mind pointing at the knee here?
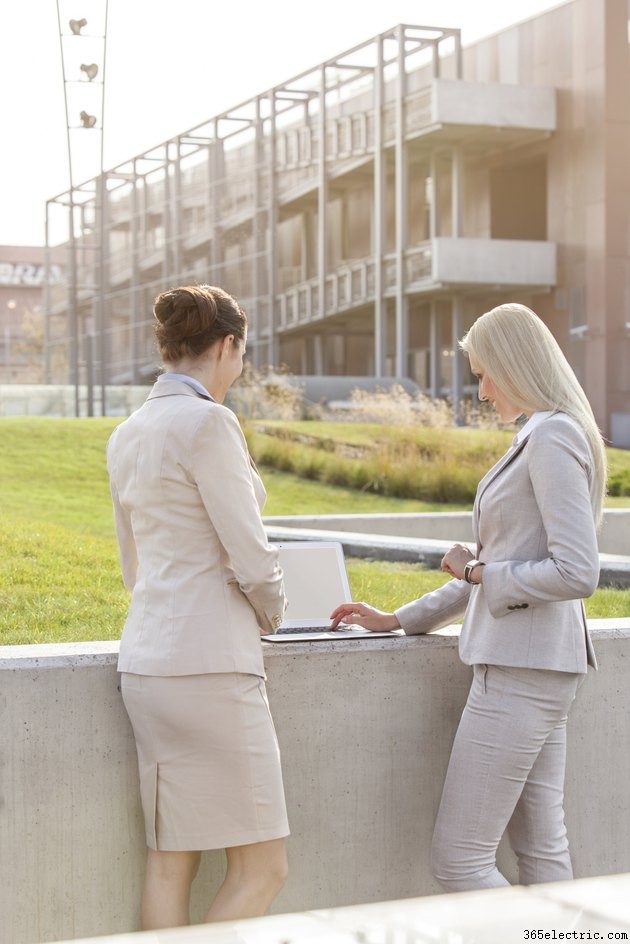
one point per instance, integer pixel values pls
(457, 872)
(278, 871)
(267, 872)
(442, 867)
(275, 862)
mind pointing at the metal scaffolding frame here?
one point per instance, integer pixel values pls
(208, 205)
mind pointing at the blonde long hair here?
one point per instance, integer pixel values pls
(521, 356)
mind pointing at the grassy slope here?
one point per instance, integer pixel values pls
(59, 575)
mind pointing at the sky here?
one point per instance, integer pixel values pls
(170, 66)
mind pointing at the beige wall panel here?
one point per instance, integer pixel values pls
(358, 223)
(510, 51)
(476, 210)
(618, 299)
(617, 61)
(577, 81)
(617, 176)
(594, 31)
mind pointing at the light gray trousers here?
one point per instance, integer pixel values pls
(506, 771)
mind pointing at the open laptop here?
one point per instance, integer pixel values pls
(315, 582)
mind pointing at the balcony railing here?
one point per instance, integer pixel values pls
(438, 262)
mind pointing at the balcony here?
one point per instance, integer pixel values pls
(480, 114)
(493, 263)
(440, 264)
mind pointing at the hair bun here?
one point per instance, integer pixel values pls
(186, 312)
(190, 318)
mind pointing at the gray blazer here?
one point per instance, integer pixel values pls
(193, 549)
(534, 525)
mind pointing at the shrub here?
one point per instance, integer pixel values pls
(396, 407)
(618, 472)
(266, 394)
(429, 464)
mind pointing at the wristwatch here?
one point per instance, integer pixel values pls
(468, 569)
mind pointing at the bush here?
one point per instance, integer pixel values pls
(265, 394)
(428, 464)
(396, 407)
(618, 472)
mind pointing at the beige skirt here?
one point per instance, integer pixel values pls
(208, 760)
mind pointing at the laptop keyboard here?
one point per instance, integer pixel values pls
(303, 629)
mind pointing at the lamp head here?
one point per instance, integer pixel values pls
(90, 70)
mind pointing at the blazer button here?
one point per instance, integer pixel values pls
(524, 606)
(512, 606)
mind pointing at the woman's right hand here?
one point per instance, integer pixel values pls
(363, 615)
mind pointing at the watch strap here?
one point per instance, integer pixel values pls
(468, 569)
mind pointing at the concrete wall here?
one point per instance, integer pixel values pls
(365, 731)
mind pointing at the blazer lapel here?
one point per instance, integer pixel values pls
(489, 477)
(492, 474)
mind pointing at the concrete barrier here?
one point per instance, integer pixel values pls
(365, 730)
(586, 909)
(614, 537)
(425, 538)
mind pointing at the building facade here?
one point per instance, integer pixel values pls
(23, 277)
(367, 211)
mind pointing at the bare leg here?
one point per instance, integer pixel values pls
(166, 895)
(255, 874)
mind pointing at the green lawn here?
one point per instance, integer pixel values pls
(59, 574)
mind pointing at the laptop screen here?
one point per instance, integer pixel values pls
(315, 581)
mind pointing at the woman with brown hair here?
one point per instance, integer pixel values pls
(205, 583)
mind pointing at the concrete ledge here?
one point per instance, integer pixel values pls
(614, 568)
(365, 730)
(582, 909)
(450, 526)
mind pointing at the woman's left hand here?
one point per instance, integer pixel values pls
(455, 560)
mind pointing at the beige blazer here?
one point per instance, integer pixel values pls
(534, 526)
(193, 550)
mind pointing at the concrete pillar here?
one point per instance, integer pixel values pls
(457, 321)
(435, 351)
(272, 225)
(401, 197)
(318, 355)
(322, 195)
(380, 303)
(457, 193)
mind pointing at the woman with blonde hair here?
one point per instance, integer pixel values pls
(524, 632)
(205, 583)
